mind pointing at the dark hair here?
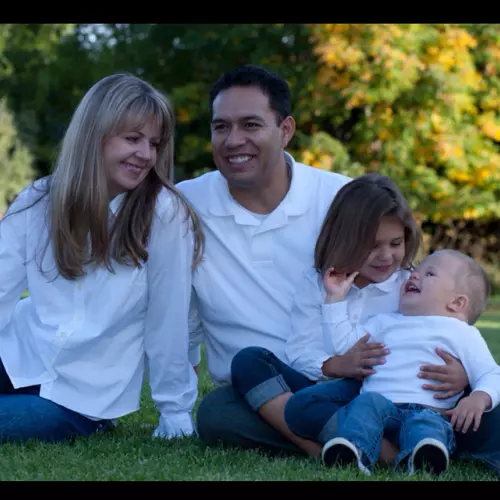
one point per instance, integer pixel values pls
(350, 227)
(271, 84)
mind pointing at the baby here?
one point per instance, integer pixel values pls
(438, 306)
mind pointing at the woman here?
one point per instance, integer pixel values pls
(105, 247)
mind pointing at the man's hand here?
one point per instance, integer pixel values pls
(337, 284)
(358, 361)
(469, 410)
(451, 376)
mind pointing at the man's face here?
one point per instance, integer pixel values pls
(247, 142)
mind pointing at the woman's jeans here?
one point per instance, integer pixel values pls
(25, 415)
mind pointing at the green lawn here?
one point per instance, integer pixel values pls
(129, 453)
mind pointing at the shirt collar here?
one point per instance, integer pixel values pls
(116, 202)
(388, 284)
(296, 201)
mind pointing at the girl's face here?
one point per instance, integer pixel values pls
(386, 255)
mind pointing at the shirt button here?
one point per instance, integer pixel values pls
(62, 335)
(78, 317)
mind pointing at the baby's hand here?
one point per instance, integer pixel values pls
(337, 284)
(469, 409)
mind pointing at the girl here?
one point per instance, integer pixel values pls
(105, 247)
(369, 229)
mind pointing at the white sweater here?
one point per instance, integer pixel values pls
(413, 341)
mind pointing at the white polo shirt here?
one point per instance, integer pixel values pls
(245, 286)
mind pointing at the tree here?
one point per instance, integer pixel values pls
(16, 170)
(422, 103)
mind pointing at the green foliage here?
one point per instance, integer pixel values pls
(16, 170)
(418, 102)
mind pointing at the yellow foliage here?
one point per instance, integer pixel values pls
(437, 122)
(384, 135)
(447, 149)
(459, 176)
(183, 115)
(491, 129)
(430, 98)
(470, 213)
(491, 101)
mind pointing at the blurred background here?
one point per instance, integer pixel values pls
(417, 102)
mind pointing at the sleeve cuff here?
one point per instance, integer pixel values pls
(312, 368)
(335, 312)
(175, 426)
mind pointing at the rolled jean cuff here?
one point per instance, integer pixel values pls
(329, 431)
(266, 391)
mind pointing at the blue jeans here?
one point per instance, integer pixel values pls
(308, 411)
(225, 419)
(259, 376)
(483, 445)
(367, 417)
(25, 415)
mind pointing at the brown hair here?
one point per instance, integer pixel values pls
(350, 227)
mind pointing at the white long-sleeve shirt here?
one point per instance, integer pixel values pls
(86, 342)
(252, 264)
(306, 350)
(413, 341)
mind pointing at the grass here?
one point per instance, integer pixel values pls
(130, 454)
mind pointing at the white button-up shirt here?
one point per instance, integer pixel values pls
(86, 341)
(306, 350)
(245, 286)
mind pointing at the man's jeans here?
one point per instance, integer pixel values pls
(25, 415)
(367, 417)
(225, 416)
(259, 376)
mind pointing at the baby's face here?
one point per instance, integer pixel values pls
(430, 287)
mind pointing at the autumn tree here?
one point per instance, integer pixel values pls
(423, 101)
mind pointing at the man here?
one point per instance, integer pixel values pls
(261, 213)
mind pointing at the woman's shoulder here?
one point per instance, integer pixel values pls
(170, 205)
(30, 195)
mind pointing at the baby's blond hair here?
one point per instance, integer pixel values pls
(472, 281)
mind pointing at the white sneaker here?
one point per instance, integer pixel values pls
(430, 455)
(340, 451)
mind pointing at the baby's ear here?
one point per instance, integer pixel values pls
(459, 304)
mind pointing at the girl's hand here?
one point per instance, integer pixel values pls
(451, 378)
(358, 362)
(337, 284)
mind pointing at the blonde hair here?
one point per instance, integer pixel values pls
(78, 188)
(472, 281)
